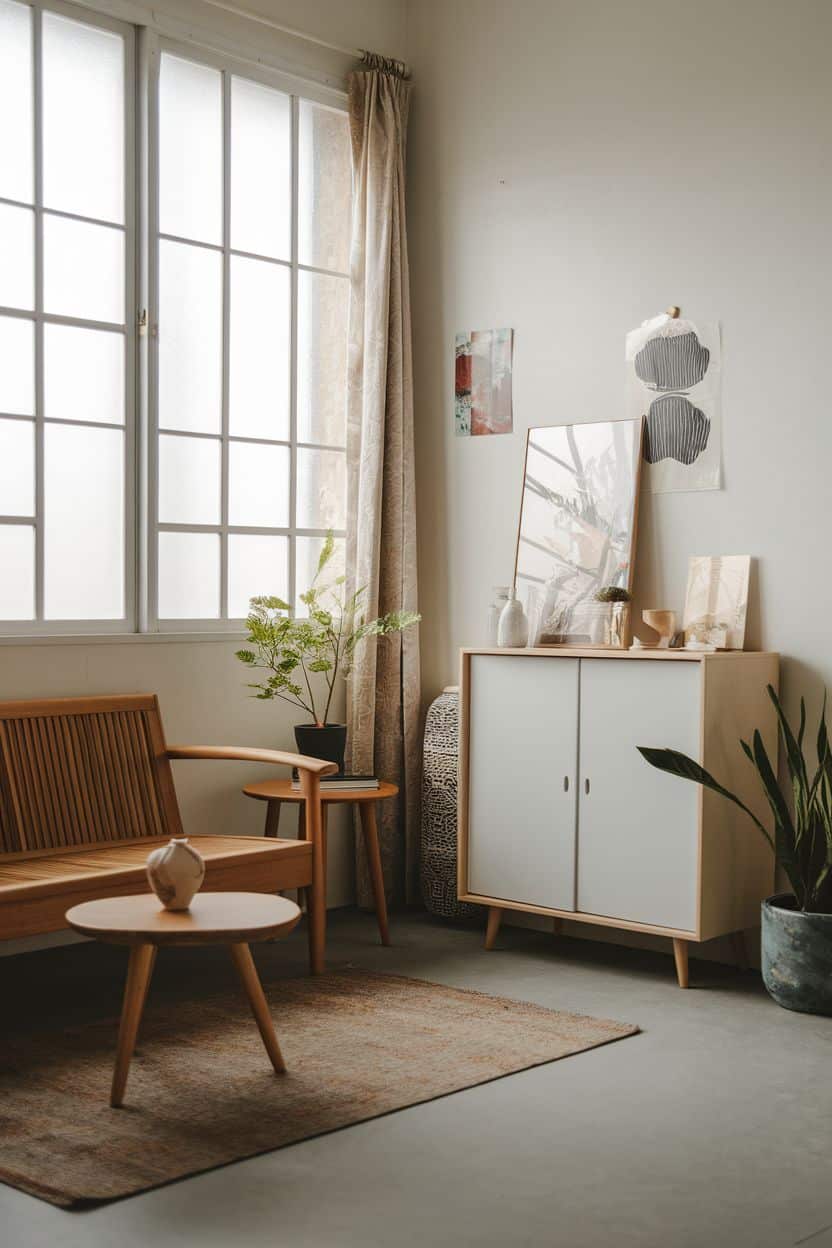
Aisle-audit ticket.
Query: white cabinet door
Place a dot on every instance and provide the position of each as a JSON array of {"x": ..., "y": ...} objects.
[
  {"x": 638, "y": 828},
  {"x": 523, "y": 719}
]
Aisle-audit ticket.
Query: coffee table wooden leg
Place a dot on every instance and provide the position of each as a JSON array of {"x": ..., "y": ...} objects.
[
  {"x": 139, "y": 969},
  {"x": 369, "y": 830},
  {"x": 272, "y": 818},
  {"x": 241, "y": 955}
]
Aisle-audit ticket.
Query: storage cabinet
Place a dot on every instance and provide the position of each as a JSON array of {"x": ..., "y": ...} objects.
[{"x": 560, "y": 815}]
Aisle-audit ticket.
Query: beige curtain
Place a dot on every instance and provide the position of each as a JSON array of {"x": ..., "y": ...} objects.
[{"x": 383, "y": 701}]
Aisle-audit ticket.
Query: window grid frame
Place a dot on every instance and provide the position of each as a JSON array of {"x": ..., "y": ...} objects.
[
  {"x": 228, "y": 67},
  {"x": 39, "y": 318}
]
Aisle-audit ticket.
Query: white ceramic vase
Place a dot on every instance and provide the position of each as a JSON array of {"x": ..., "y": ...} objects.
[
  {"x": 175, "y": 872},
  {"x": 513, "y": 629}
]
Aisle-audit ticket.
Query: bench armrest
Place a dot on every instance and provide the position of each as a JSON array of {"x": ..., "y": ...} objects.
[{"x": 315, "y": 766}]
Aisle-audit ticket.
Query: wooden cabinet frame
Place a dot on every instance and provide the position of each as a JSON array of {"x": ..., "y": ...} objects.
[{"x": 735, "y": 867}]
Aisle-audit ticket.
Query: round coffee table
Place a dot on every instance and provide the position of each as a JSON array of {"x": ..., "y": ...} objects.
[
  {"x": 275, "y": 792},
  {"x": 232, "y": 919}
]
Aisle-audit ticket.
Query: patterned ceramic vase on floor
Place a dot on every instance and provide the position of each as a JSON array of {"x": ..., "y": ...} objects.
[
  {"x": 439, "y": 801},
  {"x": 175, "y": 872}
]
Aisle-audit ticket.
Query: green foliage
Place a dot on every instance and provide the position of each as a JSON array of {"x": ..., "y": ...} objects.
[
  {"x": 322, "y": 644},
  {"x": 612, "y": 593},
  {"x": 802, "y": 840}
]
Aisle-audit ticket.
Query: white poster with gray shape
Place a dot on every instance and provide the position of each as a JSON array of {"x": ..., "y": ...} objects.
[{"x": 674, "y": 369}]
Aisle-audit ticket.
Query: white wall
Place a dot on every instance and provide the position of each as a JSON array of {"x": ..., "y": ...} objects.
[
  {"x": 201, "y": 686},
  {"x": 575, "y": 168}
]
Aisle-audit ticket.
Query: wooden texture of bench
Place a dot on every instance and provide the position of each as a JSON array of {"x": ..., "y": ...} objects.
[{"x": 86, "y": 791}]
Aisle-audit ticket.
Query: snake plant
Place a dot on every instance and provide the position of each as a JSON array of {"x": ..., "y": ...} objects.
[{"x": 801, "y": 816}]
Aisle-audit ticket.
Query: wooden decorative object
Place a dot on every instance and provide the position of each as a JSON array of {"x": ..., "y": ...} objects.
[
  {"x": 232, "y": 919},
  {"x": 560, "y": 816},
  {"x": 86, "y": 791}
]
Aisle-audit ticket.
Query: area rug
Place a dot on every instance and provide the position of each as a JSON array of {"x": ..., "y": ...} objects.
[{"x": 201, "y": 1091}]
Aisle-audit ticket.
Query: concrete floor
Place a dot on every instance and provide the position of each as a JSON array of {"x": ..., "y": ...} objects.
[{"x": 711, "y": 1128}]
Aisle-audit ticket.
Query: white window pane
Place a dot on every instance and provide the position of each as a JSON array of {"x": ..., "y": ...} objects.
[
  {"x": 83, "y": 374},
  {"x": 261, "y": 169},
  {"x": 190, "y": 150},
  {"x": 189, "y": 576},
  {"x": 17, "y": 366},
  {"x": 259, "y": 349},
  {"x": 321, "y": 489},
  {"x": 16, "y": 144},
  {"x": 17, "y": 469},
  {"x": 323, "y": 307},
  {"x": 256, "y": 566},
  {"x": 324, "y": 187},
  {"x": 17, "y": 584},
  {"x": 190, "y": 338},
  {"x": 83, "y": 523},
  {"x": 83, "y": 118},
  {"x": 83, "y": 270},
  {"x": 258, "y": 485},
  {"x": 189, "y": 480},
  {"x": 17, "y": 257},
  {"x": 307, "y": 554}
]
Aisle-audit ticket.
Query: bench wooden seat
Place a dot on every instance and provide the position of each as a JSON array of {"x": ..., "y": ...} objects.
[{"x": 86, "y": 791}]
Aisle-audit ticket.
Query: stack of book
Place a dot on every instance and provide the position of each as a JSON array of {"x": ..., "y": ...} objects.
[{"x": 342, "y": 782}]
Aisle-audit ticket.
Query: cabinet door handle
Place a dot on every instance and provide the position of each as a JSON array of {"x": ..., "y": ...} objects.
[
  {"x": 586, "y": 785},
  {"x": 566, "y": 784}
]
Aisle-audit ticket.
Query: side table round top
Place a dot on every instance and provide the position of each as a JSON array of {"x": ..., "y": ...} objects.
[
  {"x": 282, "y": 791},
  {"x": 213, "y": 919}
]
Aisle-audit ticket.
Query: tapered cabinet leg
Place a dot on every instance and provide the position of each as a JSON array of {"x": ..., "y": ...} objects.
[
  {"x": 139, "y": 968},
  {"x": 740, "y": 951},
  {"x": 241, "y": 956},
  {"x": 680, "y": 956},
  {"x": 495, "y": 914},
  {"x": 369, "y": 831}
]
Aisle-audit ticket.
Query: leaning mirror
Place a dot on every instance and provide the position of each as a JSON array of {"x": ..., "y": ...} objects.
[{"x": 577, "y": 526}]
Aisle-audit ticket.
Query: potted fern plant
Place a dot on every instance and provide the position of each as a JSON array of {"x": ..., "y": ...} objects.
[
  {"x": 796, "y": 926},
  {"x": 303, "y": 659}
]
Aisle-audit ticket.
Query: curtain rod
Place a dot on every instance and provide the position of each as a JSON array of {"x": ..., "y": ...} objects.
[{"x": 359, "y": 53}]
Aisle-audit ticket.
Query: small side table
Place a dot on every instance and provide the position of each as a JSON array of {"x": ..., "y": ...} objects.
[
  {"x": 140, "y": 922},
  {"x": 275, "y": 792}
]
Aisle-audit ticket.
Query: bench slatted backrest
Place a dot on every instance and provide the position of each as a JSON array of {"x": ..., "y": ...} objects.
[{"x": 76, "y": 771}]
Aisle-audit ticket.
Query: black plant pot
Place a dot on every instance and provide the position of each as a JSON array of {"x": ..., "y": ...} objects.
[
  {"x": 328, "y": 742},
  {"x": 797, "y": 956}
]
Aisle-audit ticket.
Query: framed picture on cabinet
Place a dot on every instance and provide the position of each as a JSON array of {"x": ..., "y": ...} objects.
[{"x": 578, "y": 526}]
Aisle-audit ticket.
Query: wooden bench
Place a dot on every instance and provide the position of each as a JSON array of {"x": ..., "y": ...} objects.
[{"x": 86, "y": 791}]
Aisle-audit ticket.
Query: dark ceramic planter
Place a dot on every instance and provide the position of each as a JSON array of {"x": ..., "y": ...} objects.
[
  {"x": 328, "y": 742},
  {"x": 797, "y": 956}
]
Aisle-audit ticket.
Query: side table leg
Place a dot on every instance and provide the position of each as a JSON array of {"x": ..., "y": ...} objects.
[
  {"x": 139, "y": 969},
  {"x": 272, "y": 818},
  {"x": 243, "y": 961},
  {"x": 369, "y": 830}
]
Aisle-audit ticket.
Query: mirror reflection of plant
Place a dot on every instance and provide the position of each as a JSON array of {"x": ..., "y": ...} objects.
[{"x": 295, "y": 651}]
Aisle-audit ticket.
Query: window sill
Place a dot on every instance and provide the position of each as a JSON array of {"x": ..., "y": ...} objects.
[{"x": 115, "y": 639}]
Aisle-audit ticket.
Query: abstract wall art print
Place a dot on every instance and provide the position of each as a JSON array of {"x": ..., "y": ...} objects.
[
  {"x": 716, "y": 602},
  {"x": 674, "y": 381},
  {"x": 482, "y": 385}
]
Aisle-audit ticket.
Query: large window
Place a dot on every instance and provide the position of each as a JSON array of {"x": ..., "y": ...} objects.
[
  {"x": 226, "y": 482},
  {"x": 67, "y": 252},
  {"x": 252, "y": 248}
]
